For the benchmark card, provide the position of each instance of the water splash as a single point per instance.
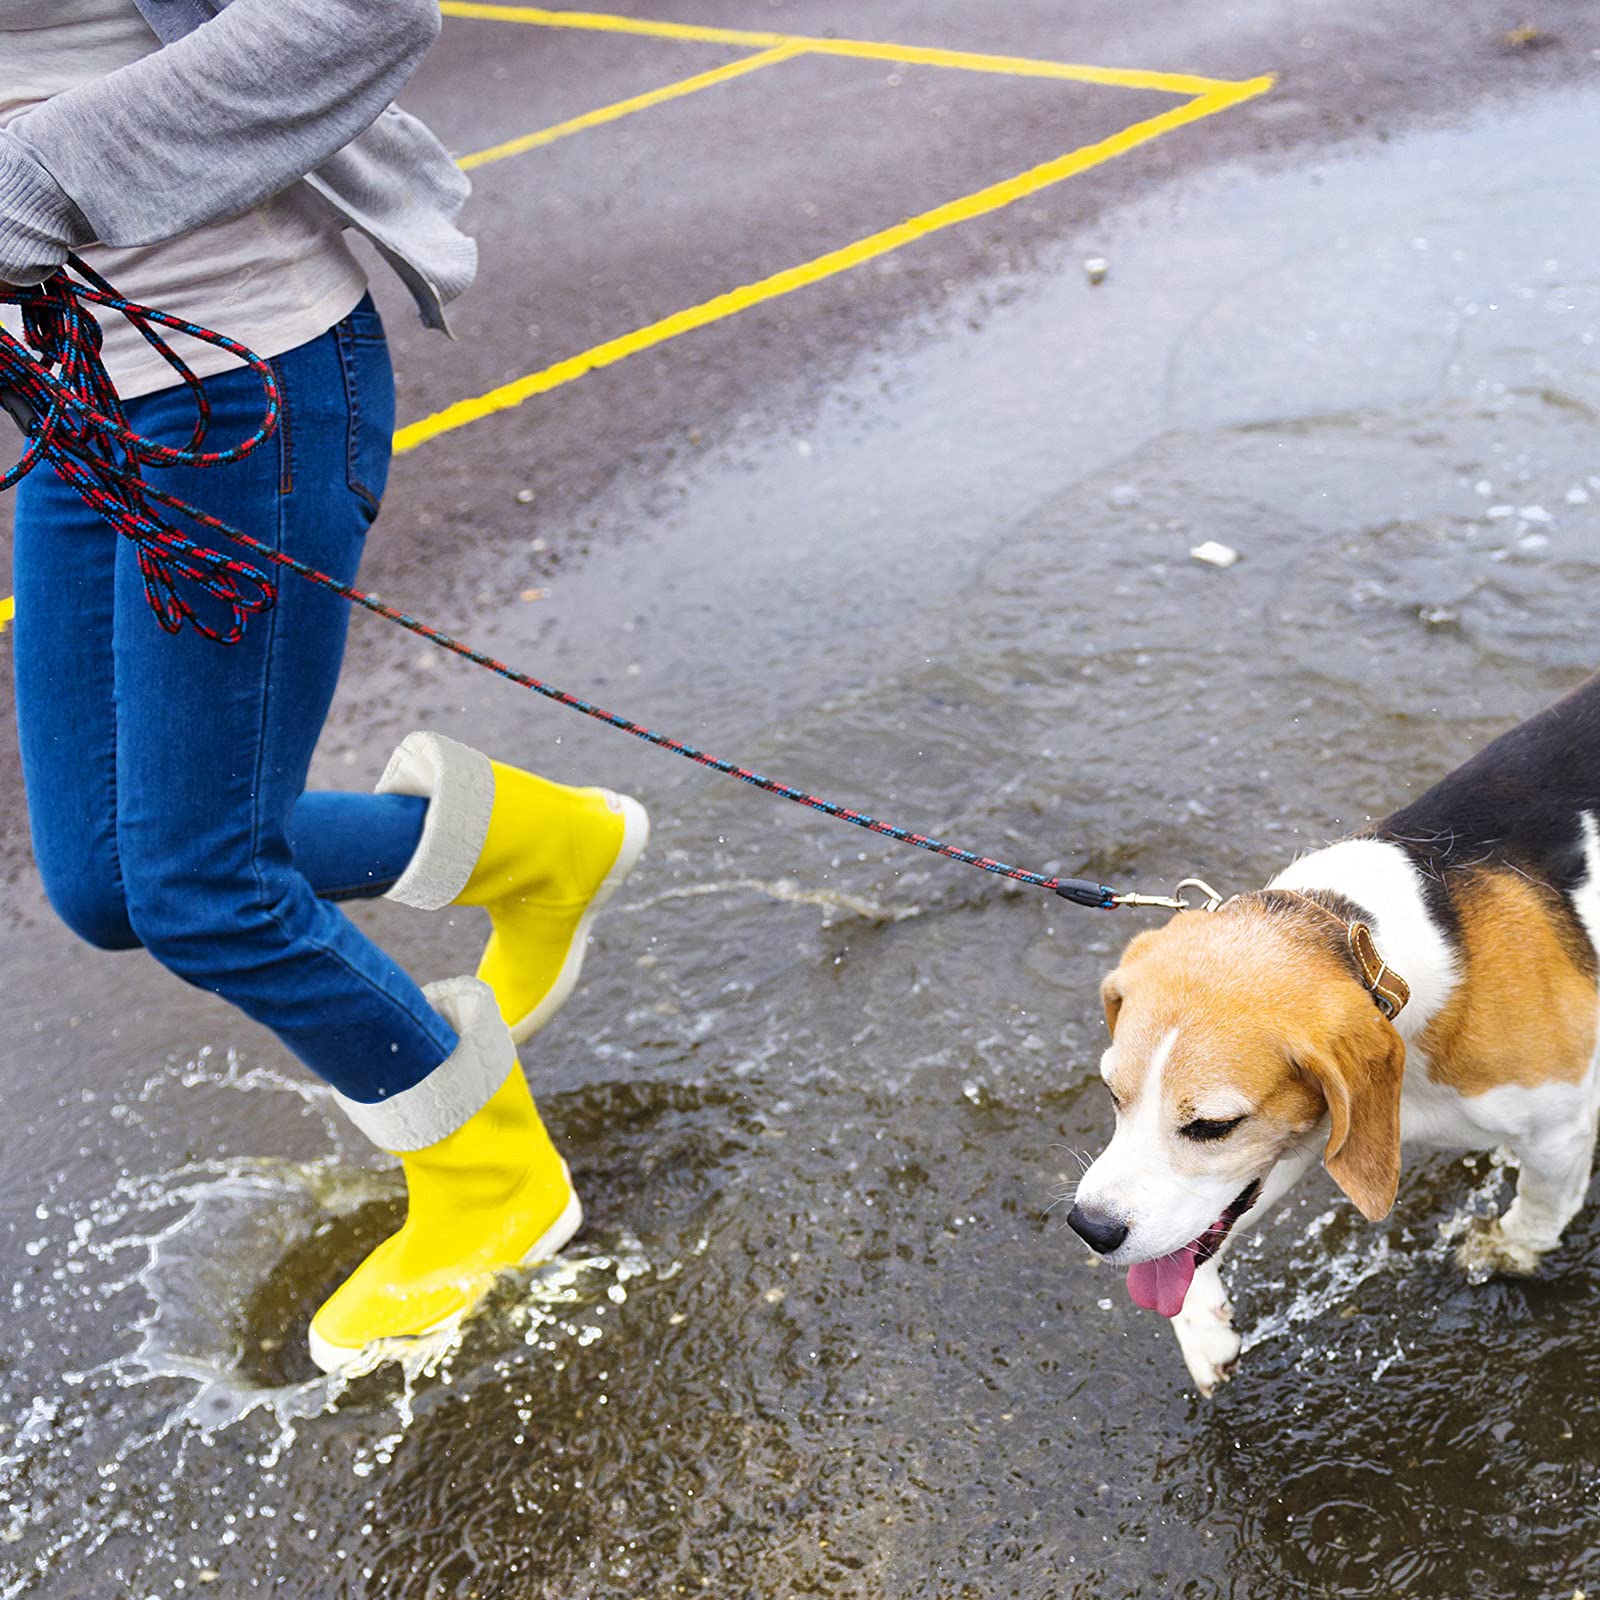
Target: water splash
(1327, 1281)
(837, 904)
(199, 1278)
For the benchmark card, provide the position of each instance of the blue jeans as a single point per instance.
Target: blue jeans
(166, 774)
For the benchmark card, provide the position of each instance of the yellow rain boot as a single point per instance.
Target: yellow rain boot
(539, 857)
(485, 1190)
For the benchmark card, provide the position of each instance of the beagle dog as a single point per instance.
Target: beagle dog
(1432, 981)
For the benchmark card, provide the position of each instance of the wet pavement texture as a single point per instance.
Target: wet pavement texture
(917, 539)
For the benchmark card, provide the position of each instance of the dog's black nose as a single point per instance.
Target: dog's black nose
(1100, 1232)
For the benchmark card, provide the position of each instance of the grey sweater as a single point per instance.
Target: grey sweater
(245, 99)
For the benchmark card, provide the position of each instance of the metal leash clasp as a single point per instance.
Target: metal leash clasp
(1174, 901)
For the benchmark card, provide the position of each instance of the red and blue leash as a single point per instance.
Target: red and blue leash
(56, 387)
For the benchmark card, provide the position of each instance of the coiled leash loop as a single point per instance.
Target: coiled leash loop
(70, 412)
(56, 387)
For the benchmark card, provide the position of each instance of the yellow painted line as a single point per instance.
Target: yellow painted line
(625, 108)
(825, 266)
(8, 609)
(859, 49)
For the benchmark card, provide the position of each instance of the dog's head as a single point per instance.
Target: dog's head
(1234, 1034)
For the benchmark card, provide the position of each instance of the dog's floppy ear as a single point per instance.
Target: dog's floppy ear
(1114, 986)
(1111, 999)
(1359, 1070)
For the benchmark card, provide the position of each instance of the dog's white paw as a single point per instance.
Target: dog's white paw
(1209, 1343)
(1488, 1250)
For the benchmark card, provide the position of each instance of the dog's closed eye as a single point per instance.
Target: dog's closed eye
(1204, 1129)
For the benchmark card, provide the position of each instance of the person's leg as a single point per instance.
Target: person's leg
(354, 846)
(214, 742)
(63, 557)
(213, 748)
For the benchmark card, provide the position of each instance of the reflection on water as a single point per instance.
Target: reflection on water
(820, 1337)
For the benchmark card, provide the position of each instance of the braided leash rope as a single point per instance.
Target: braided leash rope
(60, 394)
(73, 419)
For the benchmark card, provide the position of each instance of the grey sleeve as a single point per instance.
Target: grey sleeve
(204, 128)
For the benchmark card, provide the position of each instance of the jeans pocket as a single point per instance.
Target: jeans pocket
(369, 400)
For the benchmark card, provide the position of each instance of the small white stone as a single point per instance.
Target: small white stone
(1534, 514)
(1533, 542)
(1214, 554)
(1096, 268)
(1577, 495)
(524, 497)
(1123, 495)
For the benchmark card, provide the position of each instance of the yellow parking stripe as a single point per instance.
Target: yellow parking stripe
(824, 266)
(623, 108)
(860, 49)
(1210, 95)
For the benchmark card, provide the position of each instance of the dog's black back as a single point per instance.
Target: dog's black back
(1518, 803)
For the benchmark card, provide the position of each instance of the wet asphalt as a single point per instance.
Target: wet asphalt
(916, 537)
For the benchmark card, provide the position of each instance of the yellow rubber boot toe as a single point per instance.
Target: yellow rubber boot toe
(492, 1194)
(553, 856)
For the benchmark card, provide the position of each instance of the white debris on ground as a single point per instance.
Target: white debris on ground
(1213, 554)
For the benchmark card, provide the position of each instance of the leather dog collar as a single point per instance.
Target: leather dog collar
(1388, 989)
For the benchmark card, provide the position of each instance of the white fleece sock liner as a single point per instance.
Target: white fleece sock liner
(458, 1088)
(458, 783)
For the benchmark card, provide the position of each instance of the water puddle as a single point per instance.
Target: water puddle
(202, 1280)
(823, 1336)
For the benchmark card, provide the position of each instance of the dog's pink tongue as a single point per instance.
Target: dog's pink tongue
(1161, 1285)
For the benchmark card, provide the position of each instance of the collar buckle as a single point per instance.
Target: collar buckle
(1388, 989)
